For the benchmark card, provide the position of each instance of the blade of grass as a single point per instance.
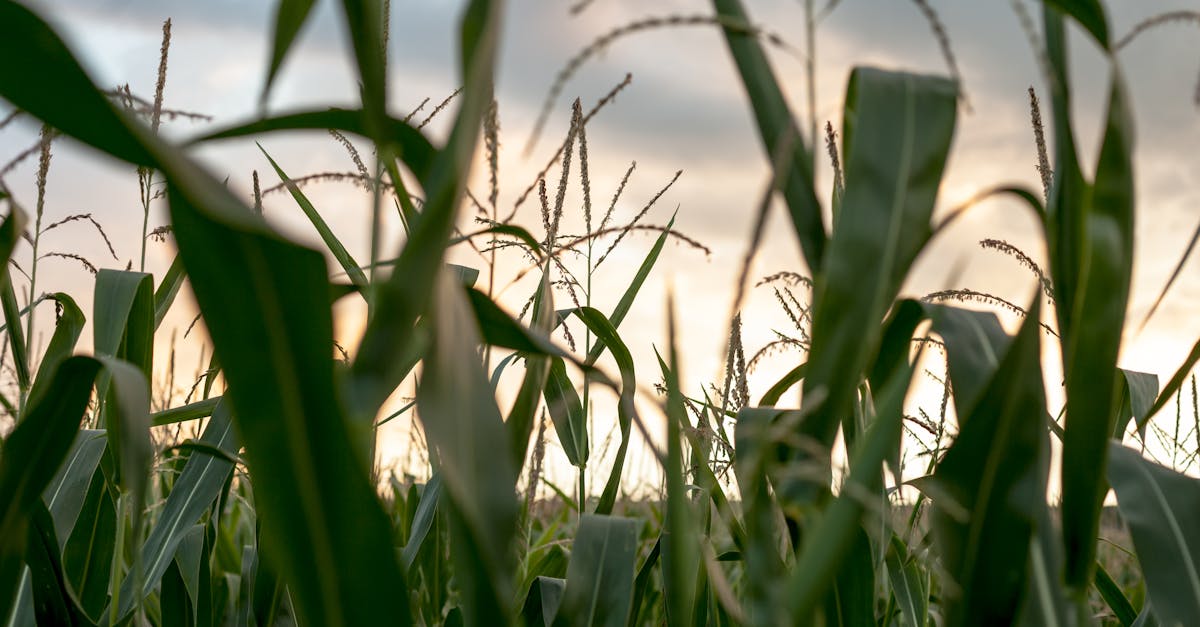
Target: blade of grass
(343, 257)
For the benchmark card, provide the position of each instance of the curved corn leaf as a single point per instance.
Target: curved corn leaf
(1139, 390)
(606, 334)
(290, 16)
(422, 521)
(164, 296)
(1162, 509)
(600, 575)
(779, 133)
(902, 126)
(412, 147)
(67, 330)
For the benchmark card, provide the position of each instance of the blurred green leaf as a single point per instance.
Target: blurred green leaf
(1089, 14)
(780, 135)
(290, 16)
(464, 428)
(600, 575)
(1162, 509)
(1114, 597)
(422, 521)
(410, 145)
(909, 584)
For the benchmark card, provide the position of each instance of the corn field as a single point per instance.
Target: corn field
(773, 513)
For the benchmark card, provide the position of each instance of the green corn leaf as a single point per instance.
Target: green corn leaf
(10, 233)
(32, 454)
(343, 257)
(1162, 509)
(422, 521)
(543, 601)
(642, 583)
(909, 584)
(600, 575)
(65, 495)
(408, 143)
(680, 541)
(164, 296)
(566, 413)
(1114, 597)
(1093, 342)
(990, 488)
(464, 428)
(363, 21)
(1173, 386)
(198, 485)
(1139, 390)
(631, 291)
(184, 413)
(780, 135)
(606, 334)
(290, 16)
(836, 533)
(903, 125)
(67, 330)
(523, 414)
(53, 599)
(174, 602)
(88, 553)
(1089, 14)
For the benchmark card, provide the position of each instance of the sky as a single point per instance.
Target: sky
(685, 110)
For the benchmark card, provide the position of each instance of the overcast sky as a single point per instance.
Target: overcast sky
(685, 110)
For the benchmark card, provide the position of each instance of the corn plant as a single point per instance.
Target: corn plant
(274, 514)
